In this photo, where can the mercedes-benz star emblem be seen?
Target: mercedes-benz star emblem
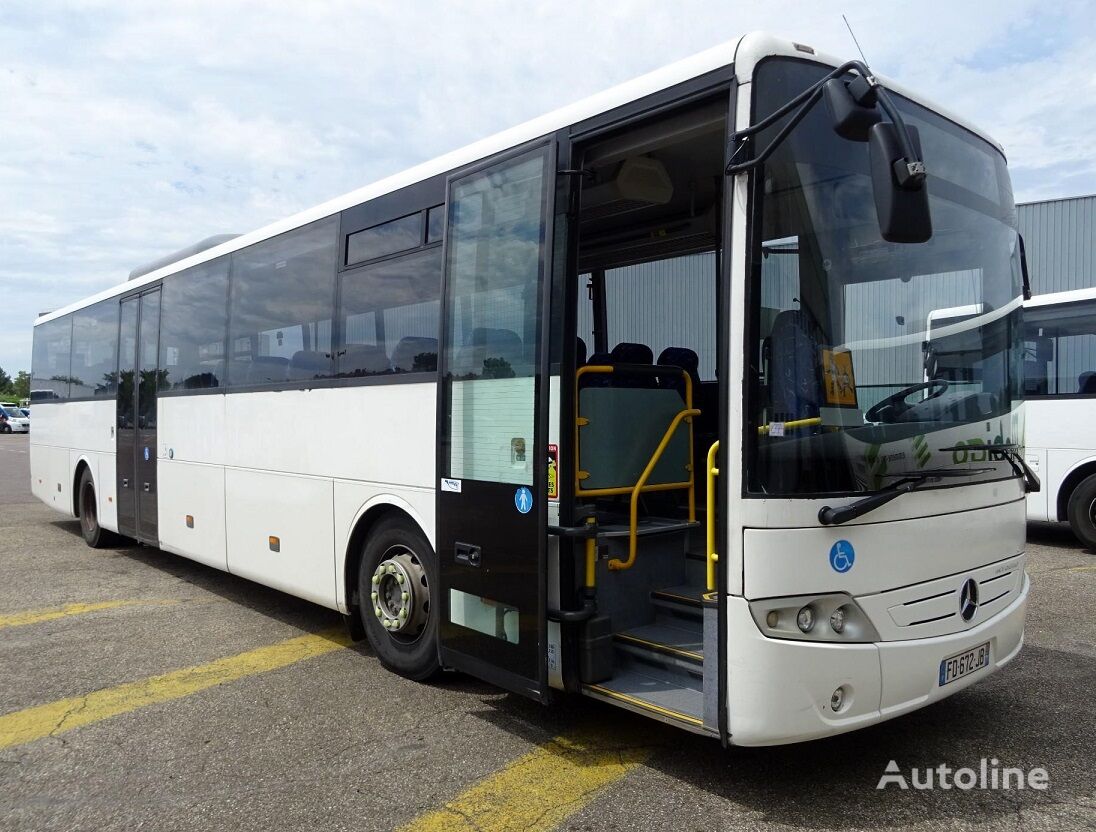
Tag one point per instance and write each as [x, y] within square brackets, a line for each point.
[968, 599]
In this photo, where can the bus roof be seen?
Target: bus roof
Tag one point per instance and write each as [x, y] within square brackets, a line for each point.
[744, 53]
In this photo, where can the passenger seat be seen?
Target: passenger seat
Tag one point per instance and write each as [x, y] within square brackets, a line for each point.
[309, 364]
[687, 360]
[267, 369]
[363, 360]
[414, 354]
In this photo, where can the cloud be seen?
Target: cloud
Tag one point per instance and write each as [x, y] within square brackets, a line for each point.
[130, 129]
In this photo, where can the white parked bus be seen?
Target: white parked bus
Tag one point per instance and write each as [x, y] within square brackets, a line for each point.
[626, 401]
[1060, 408]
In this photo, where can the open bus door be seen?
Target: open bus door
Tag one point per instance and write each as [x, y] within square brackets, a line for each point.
[492, 419]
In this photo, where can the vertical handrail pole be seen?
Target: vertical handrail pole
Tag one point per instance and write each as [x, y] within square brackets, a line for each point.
[709, 520]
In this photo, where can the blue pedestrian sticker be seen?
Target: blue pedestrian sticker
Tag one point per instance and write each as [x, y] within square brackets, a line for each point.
[523, 500]
[842, 556]
[146, 454]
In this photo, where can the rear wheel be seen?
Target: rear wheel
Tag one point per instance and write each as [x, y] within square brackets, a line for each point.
[94, 535]
[397, 572]
[5, 428]
[1082, 511]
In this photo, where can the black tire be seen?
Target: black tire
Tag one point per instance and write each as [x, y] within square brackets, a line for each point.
[413, 652]
[1082, 511]
[5, 428]
[94, 535]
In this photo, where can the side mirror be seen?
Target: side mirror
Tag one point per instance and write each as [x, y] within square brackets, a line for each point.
[901, 205]
[852, 108]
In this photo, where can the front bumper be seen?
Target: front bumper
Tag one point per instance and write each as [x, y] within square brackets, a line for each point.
[779, 691]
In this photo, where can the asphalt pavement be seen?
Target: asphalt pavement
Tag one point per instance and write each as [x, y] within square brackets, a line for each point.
[139, 690]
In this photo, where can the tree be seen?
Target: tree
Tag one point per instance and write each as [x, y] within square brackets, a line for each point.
[5, 381]
[21, 385]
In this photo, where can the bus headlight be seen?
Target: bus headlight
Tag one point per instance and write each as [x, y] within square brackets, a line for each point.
[798, 618]
[805, 619]
[837, 620]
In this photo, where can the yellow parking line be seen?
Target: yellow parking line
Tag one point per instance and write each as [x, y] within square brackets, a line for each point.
[64, 715]
[539, 790]
[18, 619]
[1083, 569]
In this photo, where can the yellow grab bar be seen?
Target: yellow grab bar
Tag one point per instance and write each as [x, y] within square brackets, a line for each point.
[792, 425]
[633, 515]
[709, 519]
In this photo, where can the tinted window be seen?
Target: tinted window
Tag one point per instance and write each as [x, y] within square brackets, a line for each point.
[147, 351]
[435, 224]
[94, 350]
[1060, 350]
[192, 331]
[388, 238]
[283, 291]
[389, 315]
[49, 375]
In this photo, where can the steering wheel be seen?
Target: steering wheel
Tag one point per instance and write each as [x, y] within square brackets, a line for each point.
[897, 401]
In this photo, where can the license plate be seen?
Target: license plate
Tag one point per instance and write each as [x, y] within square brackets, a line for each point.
[963, 664]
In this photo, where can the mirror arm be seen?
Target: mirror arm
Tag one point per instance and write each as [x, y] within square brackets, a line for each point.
[909, 171]
[771, 147]
[790, 105]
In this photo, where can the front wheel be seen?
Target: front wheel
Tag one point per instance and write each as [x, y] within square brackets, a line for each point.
[397, 572]
[94, 535]
[5, 428]
[1082, 511]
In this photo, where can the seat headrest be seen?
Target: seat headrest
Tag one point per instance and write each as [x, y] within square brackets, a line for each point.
[682, 357]
[363, 360]
[415, 354]
[267, 369]
[628, 352]
[309, 364]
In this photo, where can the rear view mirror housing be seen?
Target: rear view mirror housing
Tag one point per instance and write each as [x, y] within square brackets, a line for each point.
[899, 186]
[852, 107]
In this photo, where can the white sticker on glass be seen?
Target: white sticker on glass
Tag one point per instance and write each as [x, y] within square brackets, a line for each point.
[450, 485]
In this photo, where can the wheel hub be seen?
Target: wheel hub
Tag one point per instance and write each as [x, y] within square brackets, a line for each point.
[400, 595]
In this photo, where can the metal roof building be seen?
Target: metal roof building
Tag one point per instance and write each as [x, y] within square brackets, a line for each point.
[1060, 240]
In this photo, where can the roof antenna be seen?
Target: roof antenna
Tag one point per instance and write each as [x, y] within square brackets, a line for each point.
[854, 40]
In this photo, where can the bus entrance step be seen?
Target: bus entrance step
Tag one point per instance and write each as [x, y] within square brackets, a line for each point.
[646, 526]
[660, 692]
[670, 640]
[686, 600]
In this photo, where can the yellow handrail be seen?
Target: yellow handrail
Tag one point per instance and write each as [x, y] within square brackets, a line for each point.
[633, 514]
[709, 519]
[690, 484]
[793, 424]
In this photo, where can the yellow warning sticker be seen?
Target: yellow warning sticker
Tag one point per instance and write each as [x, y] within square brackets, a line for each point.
[839, 379]
[553, 472]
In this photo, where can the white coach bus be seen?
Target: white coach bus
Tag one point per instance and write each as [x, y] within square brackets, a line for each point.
[1060, 406]
[575, 408]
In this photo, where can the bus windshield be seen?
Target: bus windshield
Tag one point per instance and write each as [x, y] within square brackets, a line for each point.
[872, 357]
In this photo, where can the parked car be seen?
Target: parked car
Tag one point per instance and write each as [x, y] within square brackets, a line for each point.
[16, 421]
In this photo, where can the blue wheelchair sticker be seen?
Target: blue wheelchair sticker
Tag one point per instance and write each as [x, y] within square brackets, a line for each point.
[146, 454]
[523, 500]
[842, 556]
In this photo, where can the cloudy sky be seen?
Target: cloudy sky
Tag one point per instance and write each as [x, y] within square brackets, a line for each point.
[129, 129]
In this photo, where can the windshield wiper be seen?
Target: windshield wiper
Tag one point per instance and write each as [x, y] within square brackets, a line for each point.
[830, 516]
[1010, 452]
